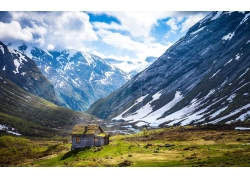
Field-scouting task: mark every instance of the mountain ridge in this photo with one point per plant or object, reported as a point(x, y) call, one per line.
point(23, 113)
point(23, 71)
point(191, 82)
point(79, 78)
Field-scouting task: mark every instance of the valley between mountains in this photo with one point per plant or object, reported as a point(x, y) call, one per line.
point(188, 107)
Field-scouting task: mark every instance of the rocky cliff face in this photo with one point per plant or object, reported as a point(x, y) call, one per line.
point(79, 78)
point(203, 78)
point(23, 71)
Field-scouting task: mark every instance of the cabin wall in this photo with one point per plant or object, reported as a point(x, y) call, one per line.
point(99, 141)
point(87, 140)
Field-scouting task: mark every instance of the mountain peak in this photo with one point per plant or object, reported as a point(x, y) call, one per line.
point(79, 77)
point(23, 71)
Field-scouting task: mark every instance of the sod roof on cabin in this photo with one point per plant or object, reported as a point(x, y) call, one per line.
point(81, 129)
point(103, 135)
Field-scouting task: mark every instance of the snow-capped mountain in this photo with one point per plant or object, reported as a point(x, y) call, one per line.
point(202, 78)
point(79, 78)
point(132, 68)
point(23, 71)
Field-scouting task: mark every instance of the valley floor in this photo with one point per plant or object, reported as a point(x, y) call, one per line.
point(168, 147)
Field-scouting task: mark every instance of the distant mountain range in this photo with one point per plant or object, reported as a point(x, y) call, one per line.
point(79, 78)
point(203, 78)
point(133, 67)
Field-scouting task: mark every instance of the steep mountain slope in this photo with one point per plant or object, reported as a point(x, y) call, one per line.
point(79, 78)
point(23, 71)
point(22, 113)
point(203, 78)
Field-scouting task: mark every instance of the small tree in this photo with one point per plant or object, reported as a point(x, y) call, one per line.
point(145, 132)
point(22, 48)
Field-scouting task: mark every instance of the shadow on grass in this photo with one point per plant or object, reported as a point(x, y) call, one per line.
point(73, 152)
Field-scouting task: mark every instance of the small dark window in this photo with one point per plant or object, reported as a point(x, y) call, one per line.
point(78, 139)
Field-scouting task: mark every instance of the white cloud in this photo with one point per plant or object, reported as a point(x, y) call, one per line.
point(40, 41)
point(138, 24)
point(50, 47)
point(191, 20)
point(172, 22)
point(120, 41)
point(40, 30)
point(125, 42)
point(14, 31)
point(142, 50)
point(62, 29)
point(112, 25)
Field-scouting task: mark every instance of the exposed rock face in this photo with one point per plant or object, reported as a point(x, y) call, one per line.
point(24, 72)
point(203, 78)
point(79, 78)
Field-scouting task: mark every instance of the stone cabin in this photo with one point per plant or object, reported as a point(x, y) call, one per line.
point(88, 135)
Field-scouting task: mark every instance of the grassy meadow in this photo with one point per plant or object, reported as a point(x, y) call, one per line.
point(168, 147)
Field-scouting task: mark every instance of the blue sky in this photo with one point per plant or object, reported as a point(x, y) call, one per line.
point(123, 35)
point(129, 34)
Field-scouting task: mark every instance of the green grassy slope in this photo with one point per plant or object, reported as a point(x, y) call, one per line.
point(208, 146)
point(34, 116)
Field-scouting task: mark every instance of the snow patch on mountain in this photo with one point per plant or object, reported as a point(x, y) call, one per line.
point(140, 99)
point(215, 74)
point(228, 36)
point(145, 112)
point(241, 86)
point(9, 130)
point(224, 82)
point(206, 18)
point(218, 112)
point(23, 73)
point(243, 73)
point(17, 64)
point(142, 112)
point(71, 53)
point(217, 15)
point(198, 30)
point(245, 18)
point(210, 93)
point(48, 53)
point(231, 114)
point(228, 62)
point(237, 56)
point(108, 74)
point(68, 65)
point(230, 99)
point(180, 115)
point(1, 48)
point(88, 58)
point(151, 118)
